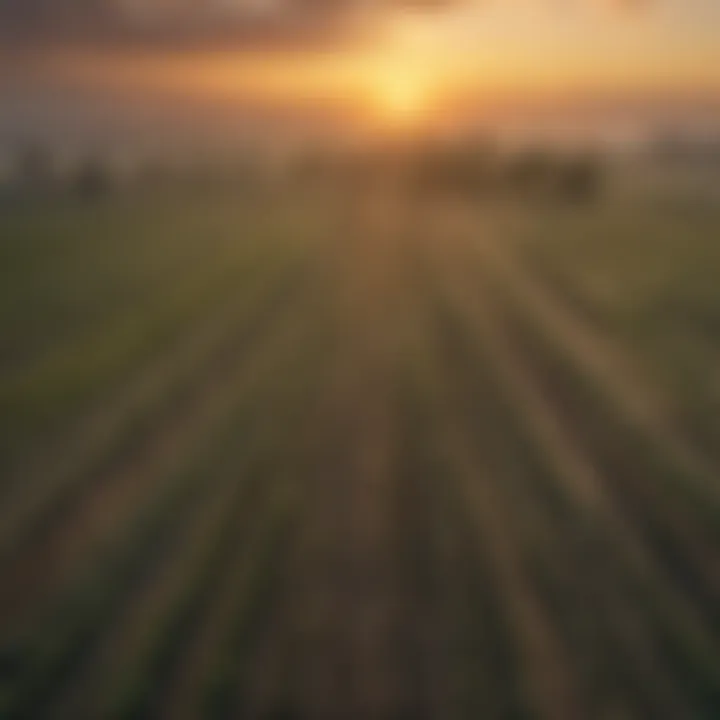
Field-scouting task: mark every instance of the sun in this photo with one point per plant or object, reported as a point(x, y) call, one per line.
point(403, 73)
point(400, 96)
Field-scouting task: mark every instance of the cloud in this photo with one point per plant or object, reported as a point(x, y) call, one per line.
point(187, 23)
point(181, 23)
point(45, 25)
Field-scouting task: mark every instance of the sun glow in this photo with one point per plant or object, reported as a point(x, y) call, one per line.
point(403, 73)
point(405, 69)
point(394, 81)
point(400, 96)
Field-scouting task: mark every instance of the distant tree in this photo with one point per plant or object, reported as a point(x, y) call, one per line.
point(33, 168)
point(457, 168)
point(580, 179)
point(530, 173)
point(92, 179)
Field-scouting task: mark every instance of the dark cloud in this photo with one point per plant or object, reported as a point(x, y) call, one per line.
point(186, 23)
point(37, 24)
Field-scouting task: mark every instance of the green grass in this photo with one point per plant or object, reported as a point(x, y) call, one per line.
point(345, 455)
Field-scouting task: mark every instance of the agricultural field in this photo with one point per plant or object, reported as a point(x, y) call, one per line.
point(312, 453)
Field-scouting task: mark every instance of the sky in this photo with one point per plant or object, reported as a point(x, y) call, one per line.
point(91, 68)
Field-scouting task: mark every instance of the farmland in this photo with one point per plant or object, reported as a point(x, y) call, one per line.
point(317, 454)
